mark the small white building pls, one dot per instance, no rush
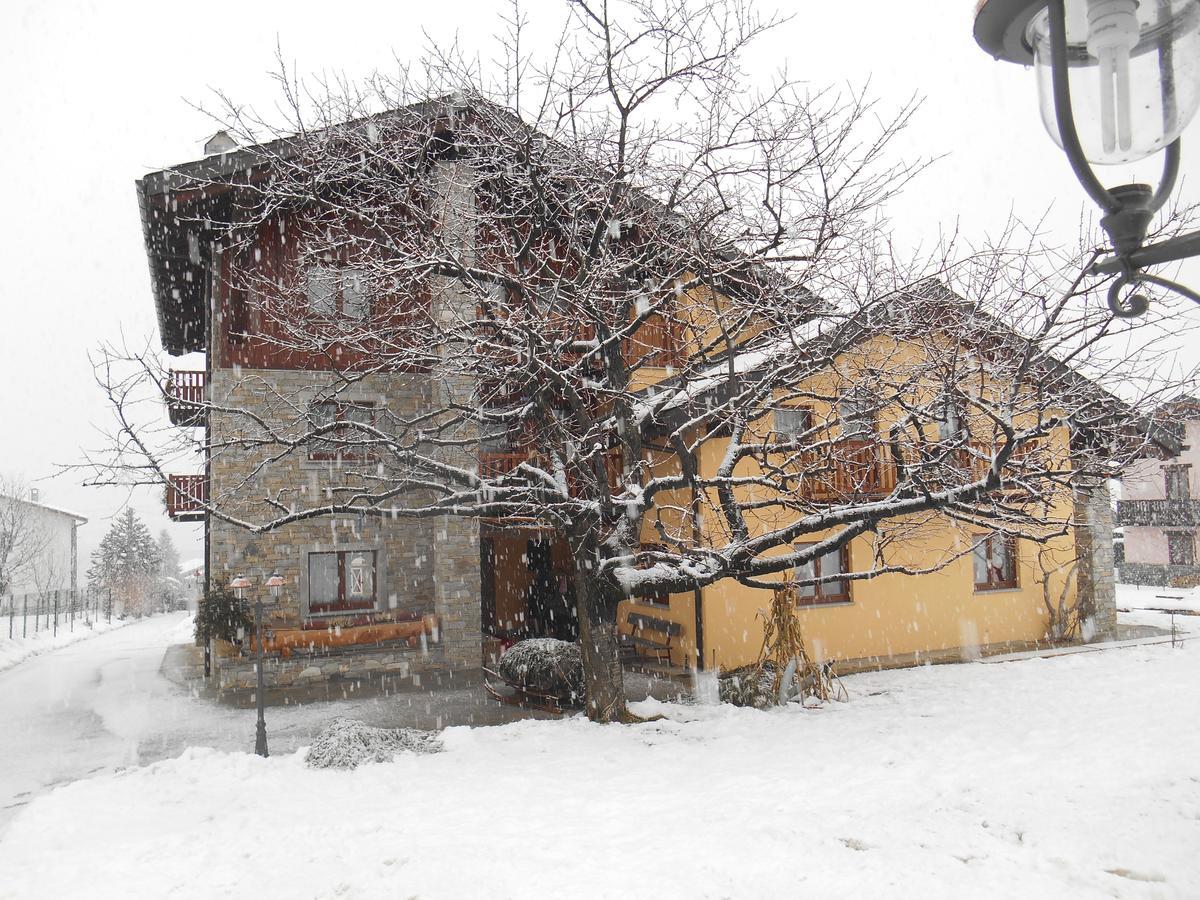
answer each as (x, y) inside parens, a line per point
(45, 555)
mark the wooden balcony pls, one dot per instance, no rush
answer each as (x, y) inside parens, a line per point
(867, 469)
(497, 465)
(185, 398)
(848, 469)
(186, 496)
(1159, 513)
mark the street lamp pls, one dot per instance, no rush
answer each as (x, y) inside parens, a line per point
(239, 585)
(1118, 80)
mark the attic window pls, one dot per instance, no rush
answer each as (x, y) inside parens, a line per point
(951, 421)
(858, 411)
(791, 422)
(334, 292)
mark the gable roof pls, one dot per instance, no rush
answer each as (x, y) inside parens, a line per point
(183, 207)
(80, 520)
(930, 301)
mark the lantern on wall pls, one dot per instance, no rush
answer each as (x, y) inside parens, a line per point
(359, 568)
(239, 585)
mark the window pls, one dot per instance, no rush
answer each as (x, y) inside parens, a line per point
(857, 410)
(1181, 548)
(333, 292)
(1177, 482)
(833, 590)
(791, 422)
(344, 440)
(995, 562)
(343, 581)
(951, 422)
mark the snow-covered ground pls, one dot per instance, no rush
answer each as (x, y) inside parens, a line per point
(102, 705)
(1148, 605)
(17, 648)
(1068, 777)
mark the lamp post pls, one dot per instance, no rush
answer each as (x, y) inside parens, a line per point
(239, 586)
(1118, 80)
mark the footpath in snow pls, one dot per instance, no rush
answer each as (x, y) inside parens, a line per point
(1076, 776)
(19, 648)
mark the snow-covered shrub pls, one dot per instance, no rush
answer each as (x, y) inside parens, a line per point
(749, 686)
(347, 743)
(545, 666)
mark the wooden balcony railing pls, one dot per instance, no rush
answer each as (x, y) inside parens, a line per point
(186, 496)
(1177, 513)
(496, 465)
(847, 468)
(861, 469)
(867, 469)
(185, 398)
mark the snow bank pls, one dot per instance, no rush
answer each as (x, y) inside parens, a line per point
(1157, 598)
(15, 649)
(347, 743)
(1070, 777)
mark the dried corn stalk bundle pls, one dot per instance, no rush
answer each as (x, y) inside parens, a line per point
(784, 670)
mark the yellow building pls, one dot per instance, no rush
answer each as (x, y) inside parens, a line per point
(927, 586)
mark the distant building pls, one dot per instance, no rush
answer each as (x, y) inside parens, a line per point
(193, 578)
(1160, 509)
(51, 535)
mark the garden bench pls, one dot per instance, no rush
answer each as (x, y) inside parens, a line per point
(649, 637)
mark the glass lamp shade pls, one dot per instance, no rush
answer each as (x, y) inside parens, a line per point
(1134, 70)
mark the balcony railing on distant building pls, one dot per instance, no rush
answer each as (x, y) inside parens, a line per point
(185, 398)
(186, 496)
(1159, 513)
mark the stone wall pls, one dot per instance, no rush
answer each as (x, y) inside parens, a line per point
(456, 577)
(426, 565)
(411, 577)
(1096, 592)
(403, 663)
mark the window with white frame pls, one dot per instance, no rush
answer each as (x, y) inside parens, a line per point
(337, 292)
(951, 422)
(858, 413)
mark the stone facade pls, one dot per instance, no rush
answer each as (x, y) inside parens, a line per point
(237, 673)
(424, 566)
(1093, 519)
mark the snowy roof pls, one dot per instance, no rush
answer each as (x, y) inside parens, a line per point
(182, 208)
(82, 520)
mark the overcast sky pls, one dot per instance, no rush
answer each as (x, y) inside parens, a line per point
(96, 94)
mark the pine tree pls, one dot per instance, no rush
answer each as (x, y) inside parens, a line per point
(168, 555)
(128, 563)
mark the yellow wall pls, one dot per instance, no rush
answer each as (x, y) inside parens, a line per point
(889, 615)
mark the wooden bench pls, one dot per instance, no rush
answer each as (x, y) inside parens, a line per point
(649, 637)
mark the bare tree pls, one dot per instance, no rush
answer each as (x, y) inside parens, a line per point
(663, 302)
(23, 540)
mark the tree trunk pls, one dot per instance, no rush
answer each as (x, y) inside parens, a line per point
(596, 603)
